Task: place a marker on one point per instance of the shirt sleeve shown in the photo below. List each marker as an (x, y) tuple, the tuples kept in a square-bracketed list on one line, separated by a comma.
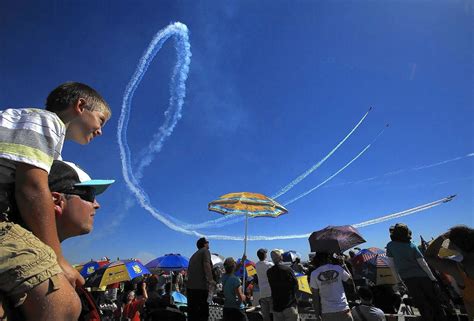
[(29, 136), (312, 283)]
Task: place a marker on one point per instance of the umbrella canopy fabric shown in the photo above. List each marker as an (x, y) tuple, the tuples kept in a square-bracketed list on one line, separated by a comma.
[(169, 262), (119, 271), (335, 239), (246, 203), (303, 284), (372, 264), (90, 267), (217, 259), (179, 297), (290, 256), (249, 267)]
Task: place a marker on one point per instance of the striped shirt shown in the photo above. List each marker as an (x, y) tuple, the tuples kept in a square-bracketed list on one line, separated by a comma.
[(31, 136)]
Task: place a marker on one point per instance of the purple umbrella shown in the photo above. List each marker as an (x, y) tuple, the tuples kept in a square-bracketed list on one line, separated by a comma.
[(335, 239)]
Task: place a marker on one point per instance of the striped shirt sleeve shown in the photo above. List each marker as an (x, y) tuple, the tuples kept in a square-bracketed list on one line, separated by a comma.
[(31, 136)]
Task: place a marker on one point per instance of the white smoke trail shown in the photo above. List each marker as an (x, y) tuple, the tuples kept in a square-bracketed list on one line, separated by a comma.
[(317, 165), (393, 173), (336, 173), (172, 115), (357, 225), (227, 220), (177, 89), (327, 179)]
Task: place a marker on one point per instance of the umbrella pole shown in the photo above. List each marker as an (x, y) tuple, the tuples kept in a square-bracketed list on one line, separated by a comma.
[(245, 251)]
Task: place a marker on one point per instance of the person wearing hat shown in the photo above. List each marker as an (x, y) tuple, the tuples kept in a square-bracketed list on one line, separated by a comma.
[(74, 196), (408, 264), (262, 267), (199, 281), (283, 284), (73, 193)]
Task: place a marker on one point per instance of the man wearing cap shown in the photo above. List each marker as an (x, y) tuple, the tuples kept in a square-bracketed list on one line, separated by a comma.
[(283, 284), (73, 193), (199, 281), (262, 267), (74, 199)]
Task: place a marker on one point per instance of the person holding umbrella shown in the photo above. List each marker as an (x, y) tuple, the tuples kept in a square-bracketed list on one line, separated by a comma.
[(234, 307)]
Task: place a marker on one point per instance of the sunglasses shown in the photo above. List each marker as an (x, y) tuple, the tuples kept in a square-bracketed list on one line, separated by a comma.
[(86, 193)]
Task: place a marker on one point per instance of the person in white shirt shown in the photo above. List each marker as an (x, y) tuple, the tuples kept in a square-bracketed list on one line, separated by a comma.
[(366, 311), (329, 299), (265, 292)]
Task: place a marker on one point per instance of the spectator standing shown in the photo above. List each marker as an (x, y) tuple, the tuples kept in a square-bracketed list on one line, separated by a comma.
[(329, 299), (366, 311), (199, 281), (262, 267), (408, 263), (461, 239), (234, 298), (283, 284)]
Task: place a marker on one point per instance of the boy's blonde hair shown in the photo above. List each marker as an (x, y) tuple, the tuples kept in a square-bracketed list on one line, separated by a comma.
[(69, 93)]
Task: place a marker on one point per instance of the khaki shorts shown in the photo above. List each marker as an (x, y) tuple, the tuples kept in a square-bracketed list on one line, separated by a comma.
[(25, 261)]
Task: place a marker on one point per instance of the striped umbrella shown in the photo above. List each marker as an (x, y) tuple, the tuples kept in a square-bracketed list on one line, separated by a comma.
[(119, 271), (248, 204), (90, 267), (372, 264)]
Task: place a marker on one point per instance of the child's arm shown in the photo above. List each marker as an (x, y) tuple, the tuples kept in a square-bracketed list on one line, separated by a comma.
[(36, 208)]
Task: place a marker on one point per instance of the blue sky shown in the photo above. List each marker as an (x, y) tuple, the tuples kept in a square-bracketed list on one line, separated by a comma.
[(273, 86)]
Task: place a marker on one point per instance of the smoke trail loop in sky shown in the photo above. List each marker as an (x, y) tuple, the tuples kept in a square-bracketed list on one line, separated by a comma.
[(177, 89)]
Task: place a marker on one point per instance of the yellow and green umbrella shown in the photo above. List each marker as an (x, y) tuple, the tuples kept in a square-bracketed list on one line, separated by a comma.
[(248, 204)]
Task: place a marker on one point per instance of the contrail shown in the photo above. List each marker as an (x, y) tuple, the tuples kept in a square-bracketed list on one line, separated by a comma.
[(172, 115), (314, 167), (177, 88), (336, 173), (358, 225), (392, 173), (227, 220)]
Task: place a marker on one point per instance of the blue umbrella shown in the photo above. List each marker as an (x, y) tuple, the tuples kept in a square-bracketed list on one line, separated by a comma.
[(290, 256), (169, 262), (179, 297)]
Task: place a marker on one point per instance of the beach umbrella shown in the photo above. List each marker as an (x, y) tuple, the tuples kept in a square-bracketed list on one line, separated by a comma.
[(335, 239), (250, 268), (179, 297), (372, 264), (119, 271), (90, 267), (290, 256), (217, 259), (169, 262), (303, 284), (248, 204)]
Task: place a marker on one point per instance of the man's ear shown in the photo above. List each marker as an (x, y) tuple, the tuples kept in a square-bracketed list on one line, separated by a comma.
[(58, 203), (79, 106)]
